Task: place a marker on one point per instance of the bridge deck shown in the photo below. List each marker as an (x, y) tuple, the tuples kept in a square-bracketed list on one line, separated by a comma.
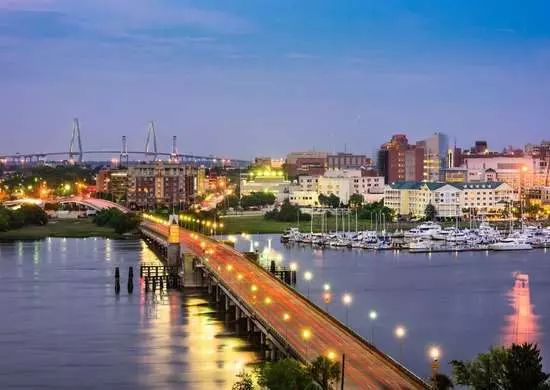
[(366, 367)]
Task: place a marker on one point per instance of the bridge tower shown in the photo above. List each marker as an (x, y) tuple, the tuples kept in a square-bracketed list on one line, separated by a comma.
[(173, 253), (124, 151), (75, 139), (151, 137), (174, 153)]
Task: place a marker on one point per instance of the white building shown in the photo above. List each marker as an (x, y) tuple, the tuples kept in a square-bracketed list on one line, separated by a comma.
[(304, 198), (449, 199)]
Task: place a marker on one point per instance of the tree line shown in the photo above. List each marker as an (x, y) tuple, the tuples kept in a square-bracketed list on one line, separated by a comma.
[(116, 219), (23, 216)]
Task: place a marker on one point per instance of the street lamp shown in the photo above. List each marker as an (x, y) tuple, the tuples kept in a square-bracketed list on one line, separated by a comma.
[(435, 353), (293, 266), (267, 302), (307, 276), (326, 287), (373, 315), (286, 318), (347, 299), (306, 335), (400, 333)]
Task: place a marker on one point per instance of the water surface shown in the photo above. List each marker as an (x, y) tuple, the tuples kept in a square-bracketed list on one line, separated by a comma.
[(63, 327)]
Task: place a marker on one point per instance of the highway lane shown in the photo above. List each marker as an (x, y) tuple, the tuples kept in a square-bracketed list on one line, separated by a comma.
[(365, 368)]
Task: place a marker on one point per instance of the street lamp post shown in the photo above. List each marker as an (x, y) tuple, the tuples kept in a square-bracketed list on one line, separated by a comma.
[(372, 315), (306, 335), (286, 318), (308, 276), (347, 299), (400, 333), (434, 353), (326, 295)]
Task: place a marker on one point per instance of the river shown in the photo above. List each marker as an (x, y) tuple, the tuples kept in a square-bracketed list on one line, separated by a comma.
[(461, 302), (63, 327)]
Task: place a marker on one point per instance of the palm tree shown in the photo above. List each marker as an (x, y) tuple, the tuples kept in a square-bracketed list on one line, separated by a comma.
[(325, 371)]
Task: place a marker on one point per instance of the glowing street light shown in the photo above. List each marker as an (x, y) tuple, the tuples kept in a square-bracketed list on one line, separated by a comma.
[(293, 266), (326, 287), (400, 333), (435, 353), (306, 335), (373, 315), (346, 300), (331, 355), (308, 276), (268, 302), (286, 318)]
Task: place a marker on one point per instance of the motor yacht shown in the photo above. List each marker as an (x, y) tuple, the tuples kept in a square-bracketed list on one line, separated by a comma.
[(511, 244)]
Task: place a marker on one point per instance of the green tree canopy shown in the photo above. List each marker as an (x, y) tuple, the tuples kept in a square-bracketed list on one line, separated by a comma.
[(325, 371), (285, 374), (356, 200), (244, 382), (330, 201), (257, 199), (516, 368), (287, 213), (430, 212)]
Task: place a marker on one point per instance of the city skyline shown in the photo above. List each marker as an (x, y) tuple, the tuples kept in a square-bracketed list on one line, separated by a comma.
[(267, 79)]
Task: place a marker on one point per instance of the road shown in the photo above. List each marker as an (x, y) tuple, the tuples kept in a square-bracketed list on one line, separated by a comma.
[(365, 367)]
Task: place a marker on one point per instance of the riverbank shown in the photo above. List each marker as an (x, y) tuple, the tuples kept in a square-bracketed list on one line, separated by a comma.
[(69, 228), (257, 224)]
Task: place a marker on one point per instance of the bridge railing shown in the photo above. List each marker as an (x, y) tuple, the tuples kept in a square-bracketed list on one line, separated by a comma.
[(255, 315), (394, 363)]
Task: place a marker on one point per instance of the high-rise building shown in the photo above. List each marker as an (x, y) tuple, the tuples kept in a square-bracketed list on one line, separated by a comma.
[(161, 183), (435, 156), (400, 161)]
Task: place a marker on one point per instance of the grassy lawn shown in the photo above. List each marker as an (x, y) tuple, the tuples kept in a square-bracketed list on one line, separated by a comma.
[(257, 224), (60, 228)]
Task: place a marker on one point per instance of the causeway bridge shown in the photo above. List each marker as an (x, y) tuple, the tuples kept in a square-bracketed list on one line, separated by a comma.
[(286, 323)]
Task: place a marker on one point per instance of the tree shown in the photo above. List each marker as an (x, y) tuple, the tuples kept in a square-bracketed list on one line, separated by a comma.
[(516, 368), (442, 382), (523, 368), (287, 213), (325, 371), (430, 212), (245, 382), (285, 374), (356, 200)]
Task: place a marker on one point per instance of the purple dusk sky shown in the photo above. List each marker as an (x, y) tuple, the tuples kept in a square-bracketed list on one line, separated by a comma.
[(248, 78)]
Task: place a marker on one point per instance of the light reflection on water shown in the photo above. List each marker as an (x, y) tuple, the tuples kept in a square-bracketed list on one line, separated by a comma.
[(63, 324), (522, 325)]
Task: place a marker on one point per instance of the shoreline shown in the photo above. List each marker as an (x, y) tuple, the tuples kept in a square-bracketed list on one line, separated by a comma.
[(69, 228)]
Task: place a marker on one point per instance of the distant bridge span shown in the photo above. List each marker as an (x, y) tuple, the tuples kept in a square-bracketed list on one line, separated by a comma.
[(188, 158)]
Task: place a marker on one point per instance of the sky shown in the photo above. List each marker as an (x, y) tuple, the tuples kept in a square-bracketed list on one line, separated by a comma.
[(246, 78)]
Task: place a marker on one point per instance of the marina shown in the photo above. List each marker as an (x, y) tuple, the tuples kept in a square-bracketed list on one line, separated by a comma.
[(428, 237)]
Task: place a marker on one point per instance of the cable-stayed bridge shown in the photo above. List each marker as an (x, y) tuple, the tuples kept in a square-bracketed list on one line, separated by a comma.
[(77, 154)]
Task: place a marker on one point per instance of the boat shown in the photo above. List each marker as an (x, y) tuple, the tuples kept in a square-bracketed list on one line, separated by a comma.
[(291, 235), (420, 243), (511, 244), (426, 229)]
